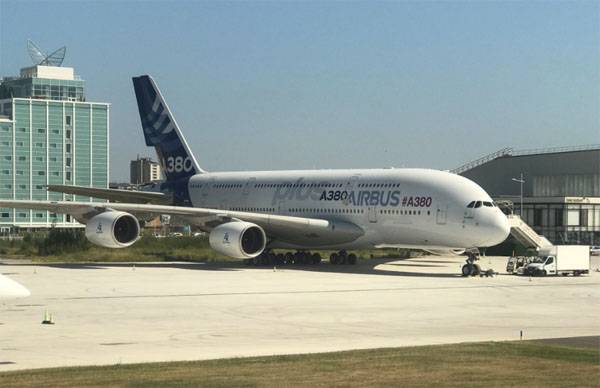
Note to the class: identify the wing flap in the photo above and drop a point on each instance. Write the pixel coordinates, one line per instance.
(117, 195)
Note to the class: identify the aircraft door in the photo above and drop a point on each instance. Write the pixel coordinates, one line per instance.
(441, 214)
(206, 187)
(248, 186)
(372, 214)
(350, 185)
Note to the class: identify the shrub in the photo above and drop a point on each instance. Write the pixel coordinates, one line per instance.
(59, 241)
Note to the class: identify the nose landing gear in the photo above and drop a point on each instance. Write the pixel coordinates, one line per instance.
(470, 268)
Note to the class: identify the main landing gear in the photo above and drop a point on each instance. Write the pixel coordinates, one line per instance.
(342, 257)
(269, 258)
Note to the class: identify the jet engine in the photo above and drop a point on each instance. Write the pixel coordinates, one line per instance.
(238, 239)
(113, 229)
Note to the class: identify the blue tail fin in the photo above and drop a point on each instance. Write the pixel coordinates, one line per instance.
(162, 132)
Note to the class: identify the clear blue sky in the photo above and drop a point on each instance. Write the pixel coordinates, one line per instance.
(282, 85)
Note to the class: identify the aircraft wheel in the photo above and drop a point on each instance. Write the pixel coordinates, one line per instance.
(289, 258)
(466, 270)
(351, 259)
(475, 270)
(343, 259)
(280, 259)
(299, 258)
(316, 258)
(334, 258)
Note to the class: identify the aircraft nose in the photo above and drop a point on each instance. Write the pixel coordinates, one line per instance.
(499, 229)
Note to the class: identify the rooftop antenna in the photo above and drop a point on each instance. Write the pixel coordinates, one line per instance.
(38, 57)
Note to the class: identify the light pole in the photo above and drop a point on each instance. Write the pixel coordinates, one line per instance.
(521, 181)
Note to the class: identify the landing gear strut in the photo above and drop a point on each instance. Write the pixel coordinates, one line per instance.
(470, 268)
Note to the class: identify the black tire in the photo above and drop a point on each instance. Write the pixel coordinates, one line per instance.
(302, 258)
(542, 272)
(316, 258)
(280, 259)
(342, 259)
(334, 258)
(475, 270)
(351, 259)
(289, 258)
(466, 270)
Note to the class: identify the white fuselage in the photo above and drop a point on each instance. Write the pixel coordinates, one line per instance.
(394, 207)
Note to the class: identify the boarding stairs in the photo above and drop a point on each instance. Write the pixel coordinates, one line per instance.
(525, 234)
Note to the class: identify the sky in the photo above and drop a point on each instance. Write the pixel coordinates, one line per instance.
(295, 85)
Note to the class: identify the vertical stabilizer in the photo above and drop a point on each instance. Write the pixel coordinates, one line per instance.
(162, 132)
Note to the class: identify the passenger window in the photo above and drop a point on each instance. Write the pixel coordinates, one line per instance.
(471, 204)
(477, 204)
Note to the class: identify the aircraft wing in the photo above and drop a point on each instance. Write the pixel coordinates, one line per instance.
(10, 289)
(116, 195)
(289, 229)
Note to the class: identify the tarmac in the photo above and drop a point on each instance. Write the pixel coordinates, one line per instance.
(129, 313)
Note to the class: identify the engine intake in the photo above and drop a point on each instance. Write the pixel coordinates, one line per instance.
(238, 239)
(113, 229)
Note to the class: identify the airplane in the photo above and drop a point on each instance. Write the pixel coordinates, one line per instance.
(10, 289)
(248, 214)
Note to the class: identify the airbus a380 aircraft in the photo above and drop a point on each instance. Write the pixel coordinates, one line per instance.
(249, 213)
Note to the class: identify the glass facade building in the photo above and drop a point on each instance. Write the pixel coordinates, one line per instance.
(49, 134)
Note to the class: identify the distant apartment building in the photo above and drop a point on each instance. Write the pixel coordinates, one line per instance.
(49, 134)
(144, 170)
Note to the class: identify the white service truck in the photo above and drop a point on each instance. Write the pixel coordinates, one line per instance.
(560, 259)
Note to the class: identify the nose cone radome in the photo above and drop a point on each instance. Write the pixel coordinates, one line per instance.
(10, 289)
(497, 230)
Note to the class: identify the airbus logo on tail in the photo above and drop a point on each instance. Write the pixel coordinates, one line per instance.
(157, 118)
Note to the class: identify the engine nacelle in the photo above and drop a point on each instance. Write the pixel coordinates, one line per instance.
(113, 229)
(238, 239)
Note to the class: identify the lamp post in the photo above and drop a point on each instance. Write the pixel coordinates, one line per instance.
(521, 181)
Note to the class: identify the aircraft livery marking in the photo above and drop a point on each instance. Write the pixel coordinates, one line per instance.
(300, 191)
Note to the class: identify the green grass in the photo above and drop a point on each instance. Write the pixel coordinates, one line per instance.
(149, 248)
(491, 364)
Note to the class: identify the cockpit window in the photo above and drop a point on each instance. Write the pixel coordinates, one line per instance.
(471, 204)
(477, 204)
(488, 204)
